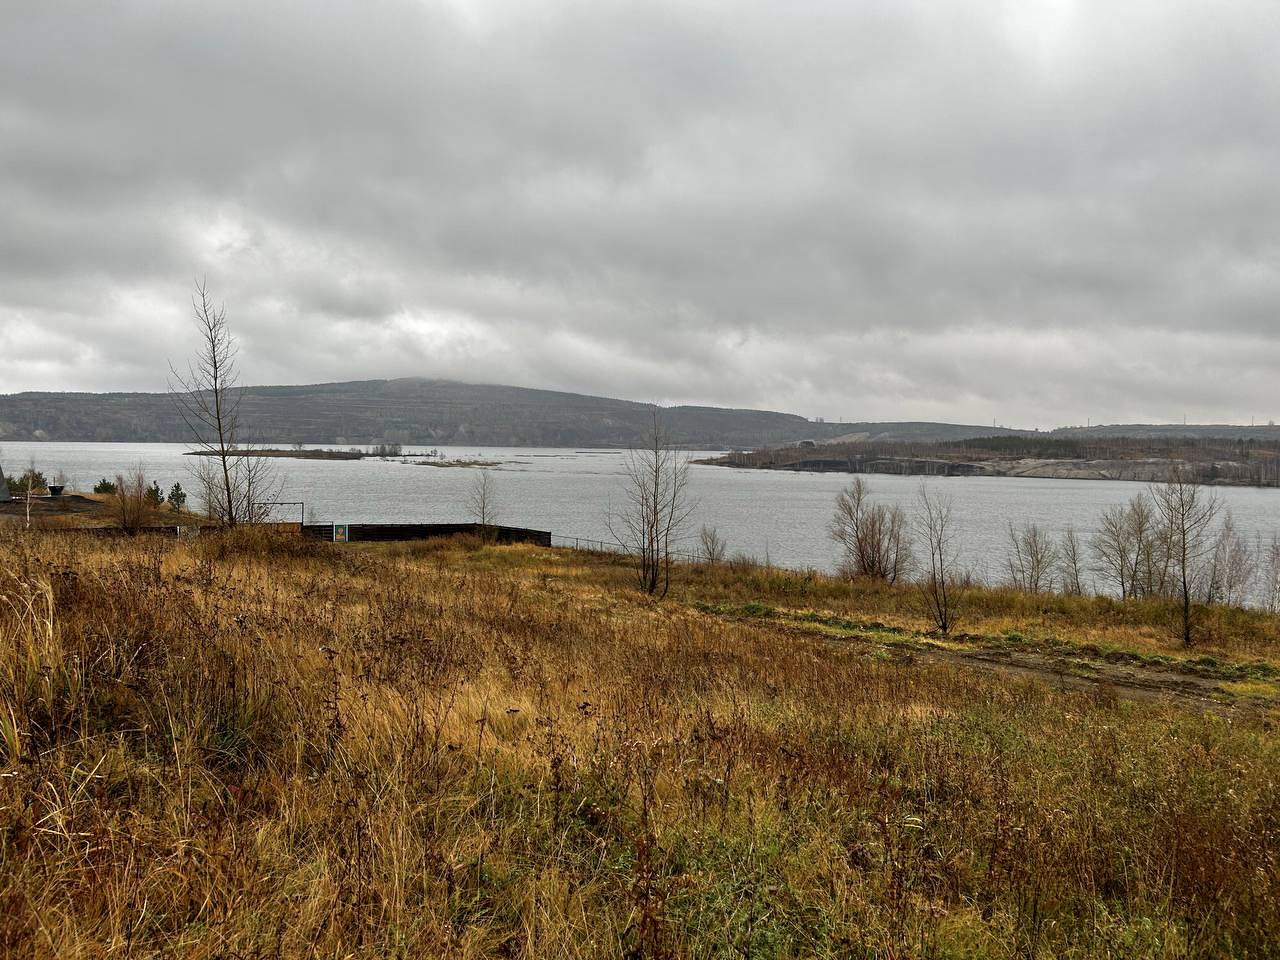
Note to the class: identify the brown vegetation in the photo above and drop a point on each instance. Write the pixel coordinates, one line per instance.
(874, 537)
(1161, 543)
(254, 746)
(129, 506)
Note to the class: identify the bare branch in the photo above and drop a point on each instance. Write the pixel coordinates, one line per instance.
(482, 500)
(935, 527)
(656, 508)
(207, 398)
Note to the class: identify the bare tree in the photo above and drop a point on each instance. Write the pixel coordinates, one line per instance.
(1231, 566)
(1187, 511)
(234, 487)
(935, 529)
(1270, 561)
(1071, 563)
(1131, 549)
(1152, 536)
(1114, 551)
(711, 545)
(31, 488)
(129, 504)
(873, 536)
(656, 508)
(1033, 558)
(482, 499)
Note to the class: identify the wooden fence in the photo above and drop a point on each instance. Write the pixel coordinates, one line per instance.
(388, 532)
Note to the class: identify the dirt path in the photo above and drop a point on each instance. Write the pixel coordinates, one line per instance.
(1081, 668)
(1078, 675)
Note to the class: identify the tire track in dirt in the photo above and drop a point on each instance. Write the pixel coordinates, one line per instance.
(1132, 677)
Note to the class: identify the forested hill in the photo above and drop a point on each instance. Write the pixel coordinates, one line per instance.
(435, 412)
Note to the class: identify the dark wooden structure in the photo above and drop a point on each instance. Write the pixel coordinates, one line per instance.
(389, 532)
(356, 532)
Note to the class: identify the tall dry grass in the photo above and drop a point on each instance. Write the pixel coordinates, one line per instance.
(255, 747)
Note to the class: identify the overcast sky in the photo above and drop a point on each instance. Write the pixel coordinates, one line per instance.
(1034, 211)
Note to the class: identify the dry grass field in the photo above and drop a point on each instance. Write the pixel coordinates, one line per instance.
(249, 747)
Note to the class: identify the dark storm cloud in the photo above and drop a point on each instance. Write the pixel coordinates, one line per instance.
(1032, 210)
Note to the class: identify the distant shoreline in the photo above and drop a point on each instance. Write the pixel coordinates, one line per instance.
(1150, 470)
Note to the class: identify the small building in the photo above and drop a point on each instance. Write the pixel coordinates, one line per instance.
(4, 488)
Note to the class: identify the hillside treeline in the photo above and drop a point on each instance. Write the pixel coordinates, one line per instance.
(1244, 461)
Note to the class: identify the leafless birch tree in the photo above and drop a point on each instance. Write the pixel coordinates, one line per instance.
(874, 537)
(1154, 539)
(1187, 510)
(1071, 563)
(1231, 566)
(234, 487)
(31, 489)
(482, 499)
(711, 545)
(1114, 551)
(1132, 549)
(935, 530)
(1270, 563)
(1033, 558)
(655, 509)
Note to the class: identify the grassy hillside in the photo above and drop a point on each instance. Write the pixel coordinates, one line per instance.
(253, 746)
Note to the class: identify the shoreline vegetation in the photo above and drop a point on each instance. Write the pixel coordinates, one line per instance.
(482, 464)
(251, 744)
(288, 454)
(427, 458)
(300, 452)
(1210, 461)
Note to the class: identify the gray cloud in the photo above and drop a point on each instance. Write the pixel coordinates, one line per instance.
(1030, 210)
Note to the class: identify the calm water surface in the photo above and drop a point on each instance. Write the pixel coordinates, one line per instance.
(571, 493)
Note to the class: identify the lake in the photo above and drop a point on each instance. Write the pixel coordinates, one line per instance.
(777, 514)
